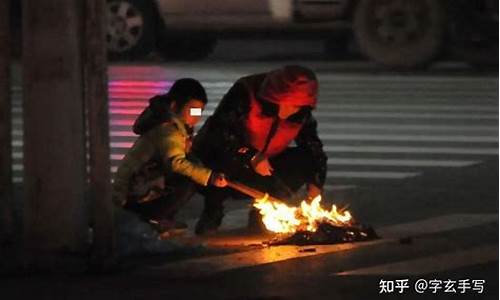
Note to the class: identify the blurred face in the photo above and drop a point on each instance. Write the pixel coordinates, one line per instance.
(286, 110)
(191, 112)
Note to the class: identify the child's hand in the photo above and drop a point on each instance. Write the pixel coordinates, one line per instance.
(219, 180)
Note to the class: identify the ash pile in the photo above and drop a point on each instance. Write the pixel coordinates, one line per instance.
(326, 234)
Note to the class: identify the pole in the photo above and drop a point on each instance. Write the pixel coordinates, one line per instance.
(96, 99)
(5, 125)
(54, 136)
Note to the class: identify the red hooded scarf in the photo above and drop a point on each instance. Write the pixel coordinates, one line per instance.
(293, 85)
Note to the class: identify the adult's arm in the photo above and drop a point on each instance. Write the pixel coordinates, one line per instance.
(309, 140)
(224, 134)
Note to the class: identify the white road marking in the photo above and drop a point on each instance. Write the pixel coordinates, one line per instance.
(407, 149)
(409, 137)
(408, 127)
(371, 174)
(402, 115)
(400, 162)
(407, 107)
(136, 104)
(338, 187)
(387, 80)
(432, 264)
(437, 224)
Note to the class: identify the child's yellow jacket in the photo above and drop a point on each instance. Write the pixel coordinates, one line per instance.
(157, 153)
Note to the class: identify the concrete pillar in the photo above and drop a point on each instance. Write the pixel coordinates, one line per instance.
(5, 125)
(54, 136)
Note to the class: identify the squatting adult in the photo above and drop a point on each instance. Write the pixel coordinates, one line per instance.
(249, 138)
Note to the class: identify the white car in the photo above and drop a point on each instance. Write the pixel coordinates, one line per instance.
(395, 33)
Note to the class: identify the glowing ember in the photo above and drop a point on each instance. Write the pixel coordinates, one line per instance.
(281, 218)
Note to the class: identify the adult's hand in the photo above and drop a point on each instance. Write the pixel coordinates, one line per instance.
(313, 191)
(261, 165)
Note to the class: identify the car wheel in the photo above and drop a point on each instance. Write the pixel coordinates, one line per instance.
(400, 34)
(131, 28)
(181, 48)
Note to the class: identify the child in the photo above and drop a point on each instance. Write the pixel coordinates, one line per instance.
(156, 175)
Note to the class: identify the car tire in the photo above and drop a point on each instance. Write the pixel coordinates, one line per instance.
(131, 29)
(182, 48)
(400, 34)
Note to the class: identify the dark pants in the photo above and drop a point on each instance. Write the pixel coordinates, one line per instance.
(292, 169)
(178, 192)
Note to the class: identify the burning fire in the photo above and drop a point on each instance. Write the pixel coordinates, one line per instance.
(281, 218)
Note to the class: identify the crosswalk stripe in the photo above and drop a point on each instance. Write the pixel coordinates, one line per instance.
(408, 137)
(407, 107)
(437, 224)
(400, 162)
(398, 115)
(162, 84)
(396, 80)
(407, 149)
(408, 127)
(338, 187)
(410, 93)
(371, 174)
(432, 264)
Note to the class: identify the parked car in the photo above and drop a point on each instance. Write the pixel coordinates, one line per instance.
(395, 33)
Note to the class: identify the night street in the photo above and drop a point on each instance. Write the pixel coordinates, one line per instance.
(413, 154)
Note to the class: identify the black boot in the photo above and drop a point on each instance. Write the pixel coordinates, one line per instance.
(208, 223)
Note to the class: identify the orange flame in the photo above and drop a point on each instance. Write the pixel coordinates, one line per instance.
(281, 218)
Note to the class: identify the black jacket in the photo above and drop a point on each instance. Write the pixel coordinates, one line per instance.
(223, 138)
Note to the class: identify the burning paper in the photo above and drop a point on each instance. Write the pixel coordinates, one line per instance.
(310, 224)
(281, 218)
